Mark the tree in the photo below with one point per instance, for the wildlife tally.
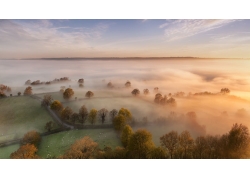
(49, 125)
(2, 94)
(112, 114)
(158, 153)
(200, 145)
(145, 91)
(19, 93)
(47, 100)
(80, 81)
(171, 101)
(81, 85)
(84, 148)
(140, 144)
(126, 134)
(66, 113)
(119, 122)
(135, 92)
(238, 140)
(27, 151)
(56, 106)
(128, 84)
(170, 141)
(89, 94)
(92, 116)
(74, 118)
(102, 113)
(110, 85)
(158, 98)
(28, 82)
(28, 91)
(68, 93)
(126, 113)
(31, 137)
(156, 89)
(186, 142)
(83, 113)
(225, 91)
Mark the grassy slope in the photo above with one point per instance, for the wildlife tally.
(18, 115)
(7, 150)
(56, 144)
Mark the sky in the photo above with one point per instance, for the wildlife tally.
(211, 38)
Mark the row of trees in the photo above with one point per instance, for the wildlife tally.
(38, 82)
(139, 145)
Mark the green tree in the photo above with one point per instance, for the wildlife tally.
(140, 144)
(126, 134)
(170, 142)
(66, 113)
(92, 116)
(56, 106)
(28, 91)
(31, 137)
(89, 94)
(68, 93)
(83, 113)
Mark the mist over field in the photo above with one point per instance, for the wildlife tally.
(170, 76)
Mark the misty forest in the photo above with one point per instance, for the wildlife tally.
(124, 109)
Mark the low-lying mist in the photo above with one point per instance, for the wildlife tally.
(214, 114)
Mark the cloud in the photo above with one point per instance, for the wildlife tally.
(179, 29)
(39, 36)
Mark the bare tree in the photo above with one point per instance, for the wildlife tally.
(186, 142)
(112, 114)
(170, 141)
(102, 113)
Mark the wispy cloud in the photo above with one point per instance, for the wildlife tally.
(179, 29)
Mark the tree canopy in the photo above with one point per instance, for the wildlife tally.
(68, 93)
(89, 94)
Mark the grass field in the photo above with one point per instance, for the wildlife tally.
(18, 115)
(56, 144)
(7, 150)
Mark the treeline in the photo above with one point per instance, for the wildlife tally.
(139, 145)
(38, 82)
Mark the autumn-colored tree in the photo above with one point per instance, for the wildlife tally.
(238, 141)
(92, 116)
(128, 84)
(186, 142)
(2, 94)
(135, 92)
(126, 134)
(112, 114)
(89, 94)
(145, 91)
(68, 93)
(158, 153)
(31, 137)
(200, 146)
(56, 106)
(119, 122)
(49, 125)
(83, 113)
(126, 113)
(84, 148)
(66, 113)
(74, 118)
(27, 151)
(140, 144)
(28, 91)
(47, 100)
(102, 113)
(170, 142)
